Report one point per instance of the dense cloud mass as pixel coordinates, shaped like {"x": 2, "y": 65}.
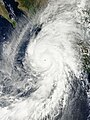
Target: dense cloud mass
{"x": 41, "y": 69}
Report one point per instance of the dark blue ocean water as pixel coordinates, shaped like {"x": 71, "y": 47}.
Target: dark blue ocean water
{"x": 6, "y": 27}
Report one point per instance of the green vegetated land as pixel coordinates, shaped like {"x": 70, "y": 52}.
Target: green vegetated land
{"x": 4, "y": 13}
{"x": 29, "y": 7}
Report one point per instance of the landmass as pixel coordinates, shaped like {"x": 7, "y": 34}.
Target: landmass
{"x": 4, "y": 13}
{"x": 29, "y": 7}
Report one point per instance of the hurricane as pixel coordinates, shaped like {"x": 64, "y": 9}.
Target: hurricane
{"x": 45, "y": 81}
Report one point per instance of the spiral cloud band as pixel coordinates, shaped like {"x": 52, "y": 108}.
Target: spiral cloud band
{"x": 51, "y": 59}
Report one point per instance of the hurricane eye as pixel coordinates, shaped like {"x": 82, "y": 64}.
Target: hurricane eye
{"x": 41, "y": 65}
